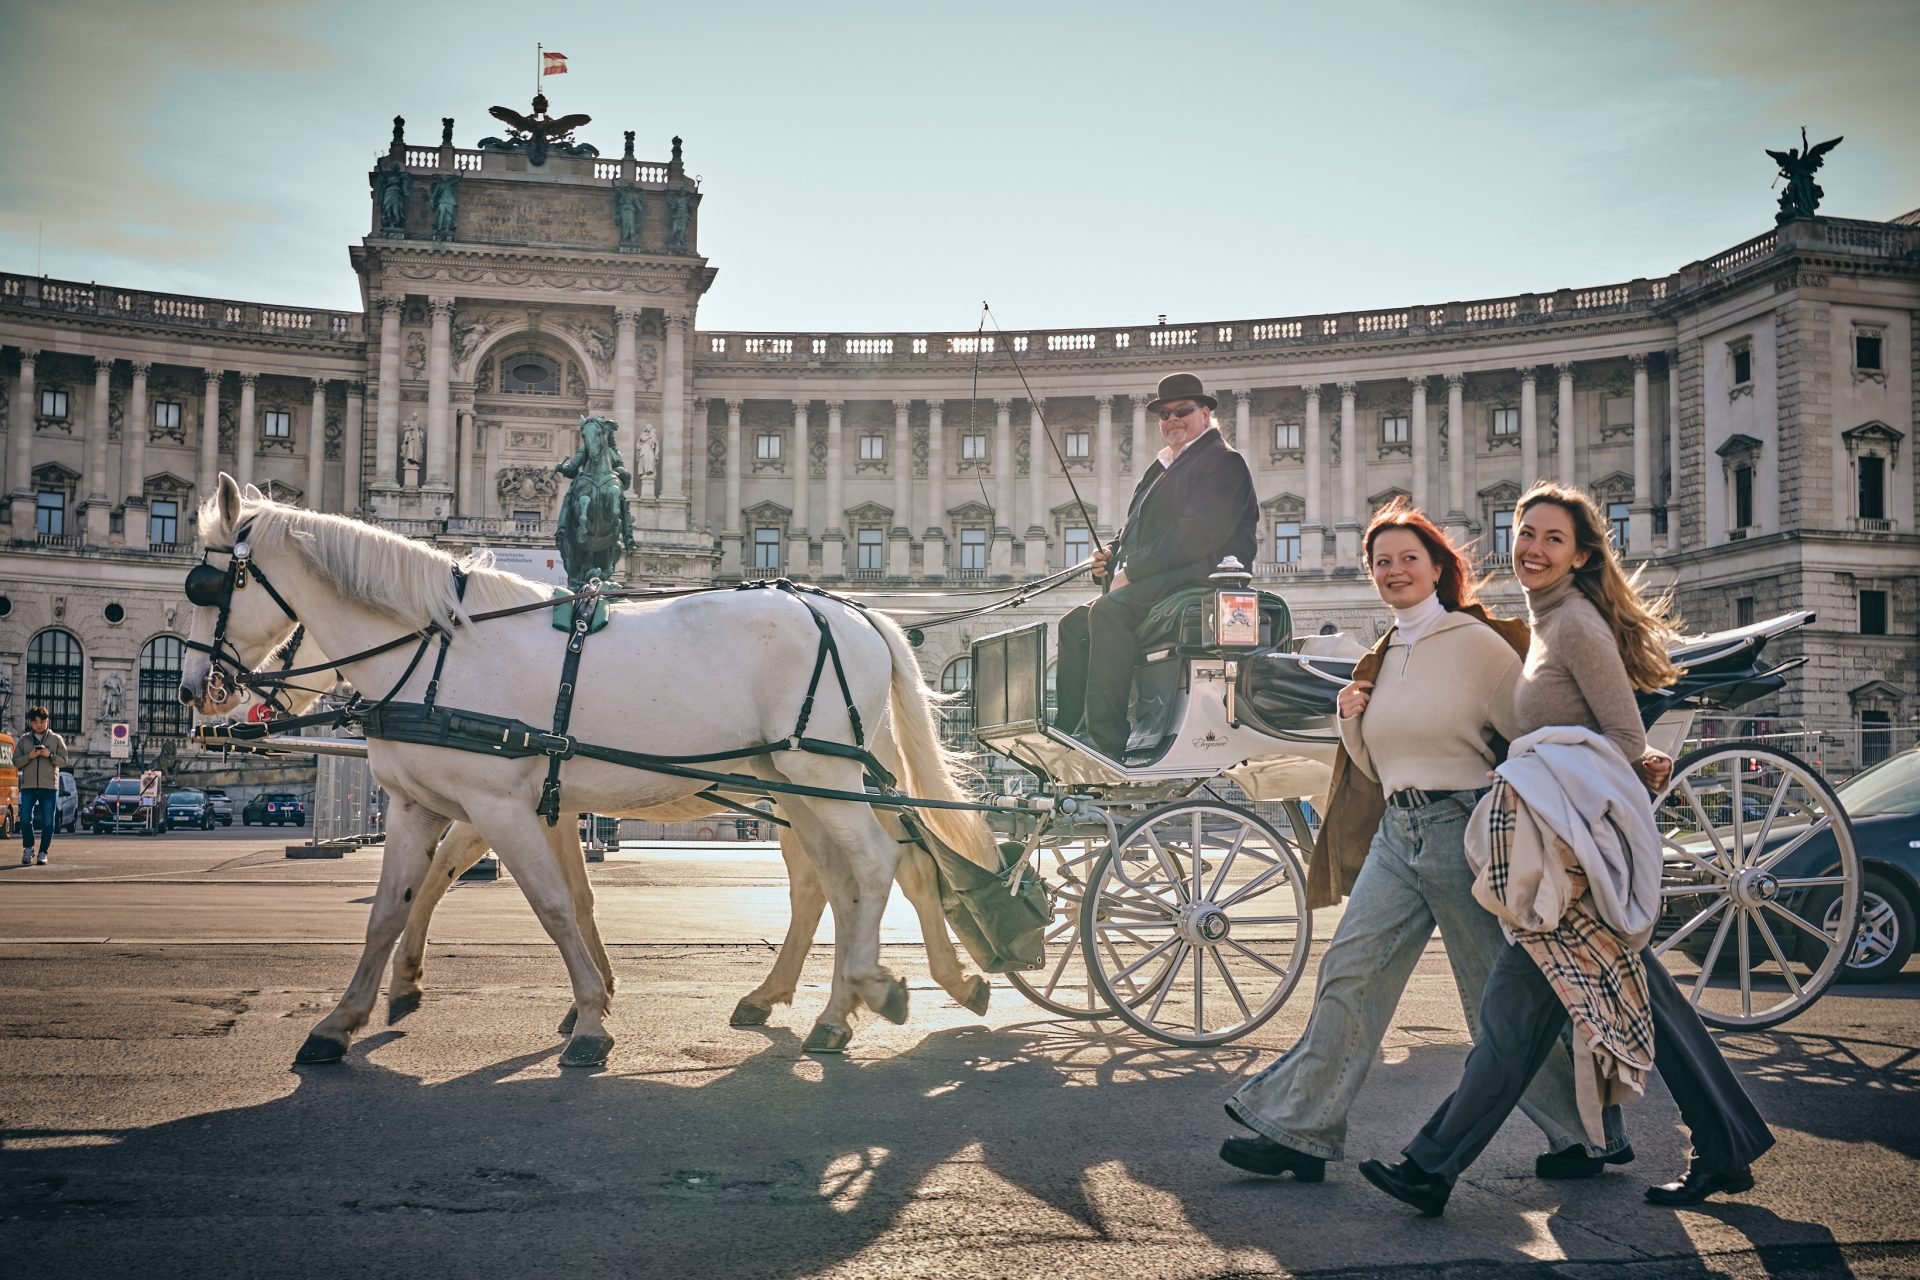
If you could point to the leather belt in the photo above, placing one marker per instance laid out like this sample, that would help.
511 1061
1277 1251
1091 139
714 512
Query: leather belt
1414 798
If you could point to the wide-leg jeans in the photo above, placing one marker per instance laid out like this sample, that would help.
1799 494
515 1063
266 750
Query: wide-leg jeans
1415 876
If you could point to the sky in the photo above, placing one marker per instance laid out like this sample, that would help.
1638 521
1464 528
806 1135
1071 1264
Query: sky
888 166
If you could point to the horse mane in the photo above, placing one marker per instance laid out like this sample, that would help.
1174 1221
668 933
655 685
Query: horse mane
408 580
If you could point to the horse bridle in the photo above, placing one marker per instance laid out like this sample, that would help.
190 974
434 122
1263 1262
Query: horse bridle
210 587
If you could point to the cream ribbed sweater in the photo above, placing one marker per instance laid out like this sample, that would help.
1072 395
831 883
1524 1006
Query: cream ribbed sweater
1574 674
1435 709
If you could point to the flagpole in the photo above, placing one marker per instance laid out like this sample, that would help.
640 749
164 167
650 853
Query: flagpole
538 49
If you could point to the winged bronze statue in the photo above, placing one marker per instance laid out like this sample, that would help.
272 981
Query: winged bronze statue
1797 166
535 133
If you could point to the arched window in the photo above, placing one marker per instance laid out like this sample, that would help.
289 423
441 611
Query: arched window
161 715
530 374
56 673
956 721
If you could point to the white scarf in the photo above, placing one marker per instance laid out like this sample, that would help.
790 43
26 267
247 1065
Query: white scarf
1417 620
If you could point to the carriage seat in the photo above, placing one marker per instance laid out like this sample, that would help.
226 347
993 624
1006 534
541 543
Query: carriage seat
1179 622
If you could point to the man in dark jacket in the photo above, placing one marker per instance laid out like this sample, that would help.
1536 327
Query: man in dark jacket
1194 505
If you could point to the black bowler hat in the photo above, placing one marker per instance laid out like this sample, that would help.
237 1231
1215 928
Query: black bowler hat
1181 386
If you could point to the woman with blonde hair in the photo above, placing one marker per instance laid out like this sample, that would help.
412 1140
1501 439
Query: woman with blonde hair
1596 640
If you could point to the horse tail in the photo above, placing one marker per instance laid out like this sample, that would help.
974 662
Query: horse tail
927 768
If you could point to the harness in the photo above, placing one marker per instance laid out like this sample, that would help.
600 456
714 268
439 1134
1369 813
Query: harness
427 723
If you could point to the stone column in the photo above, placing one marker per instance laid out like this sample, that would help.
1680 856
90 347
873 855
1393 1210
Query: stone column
133 461
1418 428
1566 458
1640 514
1459 445
673 411
317 447
209 477
26 407
439 372
900 467
1243 421
1001 557
626 321
1347 533
386 414
352 441
799 552
731 527
1313 534
1529 429
464 492
1107 469
697 465
97 508
1038 452
246 432
1143 452
1673 451
933 549
833 541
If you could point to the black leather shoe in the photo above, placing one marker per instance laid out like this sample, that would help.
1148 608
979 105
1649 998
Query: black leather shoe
1574 1163
1699 1183
1408 1183
1265 1156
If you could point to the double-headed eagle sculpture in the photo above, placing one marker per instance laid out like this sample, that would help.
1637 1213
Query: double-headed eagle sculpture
535 133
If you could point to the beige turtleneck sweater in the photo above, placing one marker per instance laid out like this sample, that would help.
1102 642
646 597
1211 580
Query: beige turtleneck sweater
1435 708
1574 674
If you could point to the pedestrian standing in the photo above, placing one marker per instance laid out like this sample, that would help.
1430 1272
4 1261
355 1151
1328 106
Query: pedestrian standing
1595 641
40 755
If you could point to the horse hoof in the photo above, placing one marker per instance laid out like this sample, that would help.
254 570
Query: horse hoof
566 1023
827 1038
319 1048
747 1014
586 1050
400 1006
894 1006
979 993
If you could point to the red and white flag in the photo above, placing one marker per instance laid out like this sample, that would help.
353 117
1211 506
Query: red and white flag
553 64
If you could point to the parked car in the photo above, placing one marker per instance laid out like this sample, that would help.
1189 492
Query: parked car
124 807
274 809
67 804
1884 803
222 806
190 809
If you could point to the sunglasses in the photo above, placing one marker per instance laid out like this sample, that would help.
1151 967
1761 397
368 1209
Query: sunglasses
1178 413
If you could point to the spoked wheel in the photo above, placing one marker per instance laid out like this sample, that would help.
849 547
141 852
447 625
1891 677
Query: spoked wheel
1196 928
1061 987
1761 884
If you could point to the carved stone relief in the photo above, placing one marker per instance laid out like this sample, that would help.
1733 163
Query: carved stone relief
335 434
526 487
716 450
529 441
1126 449
416 357
226 428
576 385
597 340
920 448
1023 453
116 415
817 449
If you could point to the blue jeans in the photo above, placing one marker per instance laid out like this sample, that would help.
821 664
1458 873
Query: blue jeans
41 805
1415 877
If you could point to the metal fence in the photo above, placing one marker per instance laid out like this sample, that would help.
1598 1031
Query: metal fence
347 804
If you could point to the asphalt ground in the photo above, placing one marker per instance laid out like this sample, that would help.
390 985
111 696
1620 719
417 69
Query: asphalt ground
150 1123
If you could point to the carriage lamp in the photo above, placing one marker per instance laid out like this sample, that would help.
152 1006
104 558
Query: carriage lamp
1234 622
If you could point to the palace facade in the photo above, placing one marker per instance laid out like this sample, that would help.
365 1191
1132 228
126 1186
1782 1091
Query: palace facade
1747 420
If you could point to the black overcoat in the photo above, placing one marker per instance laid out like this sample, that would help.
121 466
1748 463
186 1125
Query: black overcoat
1183 519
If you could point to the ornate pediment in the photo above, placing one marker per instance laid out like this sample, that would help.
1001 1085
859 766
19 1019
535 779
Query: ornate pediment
1382 498
870 513
1505 493
52 475
1740 450
768 512
1071 511
165 484
970 511
1616 486
1284 506
1877 695
1874 435
281 491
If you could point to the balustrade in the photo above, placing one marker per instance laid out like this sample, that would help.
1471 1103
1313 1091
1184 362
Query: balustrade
1384 322
1588 299
1164 337
171 309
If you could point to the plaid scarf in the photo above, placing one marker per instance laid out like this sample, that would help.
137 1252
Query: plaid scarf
1597 976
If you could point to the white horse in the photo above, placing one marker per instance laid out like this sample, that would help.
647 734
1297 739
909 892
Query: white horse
698 674
462 846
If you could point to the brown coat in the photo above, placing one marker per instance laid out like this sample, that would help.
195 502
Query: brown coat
1355 803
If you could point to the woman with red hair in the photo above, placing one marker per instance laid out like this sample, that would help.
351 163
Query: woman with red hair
1424 719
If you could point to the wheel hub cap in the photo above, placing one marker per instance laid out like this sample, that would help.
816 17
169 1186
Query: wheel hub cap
1204 925
1752 888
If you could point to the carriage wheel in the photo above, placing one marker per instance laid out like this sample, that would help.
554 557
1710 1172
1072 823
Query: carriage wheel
1060 986
1760 886
1197 932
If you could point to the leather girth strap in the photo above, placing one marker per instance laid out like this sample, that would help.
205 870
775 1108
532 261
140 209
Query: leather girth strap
584 603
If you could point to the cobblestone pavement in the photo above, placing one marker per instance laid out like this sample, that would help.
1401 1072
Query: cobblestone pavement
150 1123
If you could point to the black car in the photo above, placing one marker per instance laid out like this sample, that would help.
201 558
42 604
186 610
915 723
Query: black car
1884 803
190 809
275 809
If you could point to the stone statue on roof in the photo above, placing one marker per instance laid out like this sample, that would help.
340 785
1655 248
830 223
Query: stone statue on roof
1797 166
